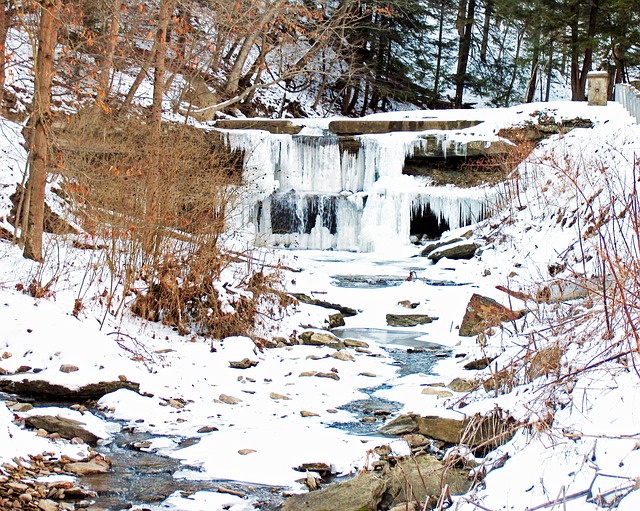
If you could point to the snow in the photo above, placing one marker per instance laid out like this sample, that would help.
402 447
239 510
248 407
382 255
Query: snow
587 445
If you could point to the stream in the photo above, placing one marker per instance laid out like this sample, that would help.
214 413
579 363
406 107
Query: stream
141 477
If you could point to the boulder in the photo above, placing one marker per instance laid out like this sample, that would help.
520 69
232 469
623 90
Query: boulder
245 363
412 480
362 493
430 247
463 249
401 425
336 320
415 479
314 338
97 465
66 428
462 385
479 364
483 432
483 312
406 320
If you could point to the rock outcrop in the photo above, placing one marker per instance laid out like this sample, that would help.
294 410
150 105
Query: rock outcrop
483 313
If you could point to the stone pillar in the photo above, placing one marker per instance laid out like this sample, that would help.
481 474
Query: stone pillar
597 87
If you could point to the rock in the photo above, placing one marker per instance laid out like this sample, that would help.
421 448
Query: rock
177 403
353 343
321 468
430 247
229 400
332 376
480 364
313 338
464 249
207 429
343 355
415 440
97 465
346 311
368 374
245 363
47 505
406 320
336 320
401 425
461 385
278 397
68 368
430 391
482 313
43 389
407 304
244 452
413 479
23 369
305 413
362 493
21 407
442 428
66 428
483 432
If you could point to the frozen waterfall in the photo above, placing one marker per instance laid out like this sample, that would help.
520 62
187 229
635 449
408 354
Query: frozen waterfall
323 191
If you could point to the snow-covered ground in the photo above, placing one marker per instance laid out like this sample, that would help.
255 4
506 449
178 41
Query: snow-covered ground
580 429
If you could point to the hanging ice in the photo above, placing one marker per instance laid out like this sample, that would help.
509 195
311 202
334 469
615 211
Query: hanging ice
322 191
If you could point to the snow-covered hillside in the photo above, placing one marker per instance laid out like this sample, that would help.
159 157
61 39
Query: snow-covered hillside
565 372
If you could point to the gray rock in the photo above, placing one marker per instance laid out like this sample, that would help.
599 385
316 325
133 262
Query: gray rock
353 343
343 355
362 493
229 400
411 480
407 320
66 428
245 363
462 385
313 338
95 466
68 368
464 249
430 247
336 320
401 425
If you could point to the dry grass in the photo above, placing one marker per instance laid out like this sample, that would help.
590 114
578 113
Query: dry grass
158 207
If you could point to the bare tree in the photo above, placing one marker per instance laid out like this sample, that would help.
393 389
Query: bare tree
33 213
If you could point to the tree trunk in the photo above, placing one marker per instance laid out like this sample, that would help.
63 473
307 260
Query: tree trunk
164 16
488 11
233 80
6 15
142 74
465 27
436 79
549 72
43 77
107 62
588 52
535 64
507 98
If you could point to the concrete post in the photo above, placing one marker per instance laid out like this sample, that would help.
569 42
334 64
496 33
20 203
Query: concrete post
597 87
